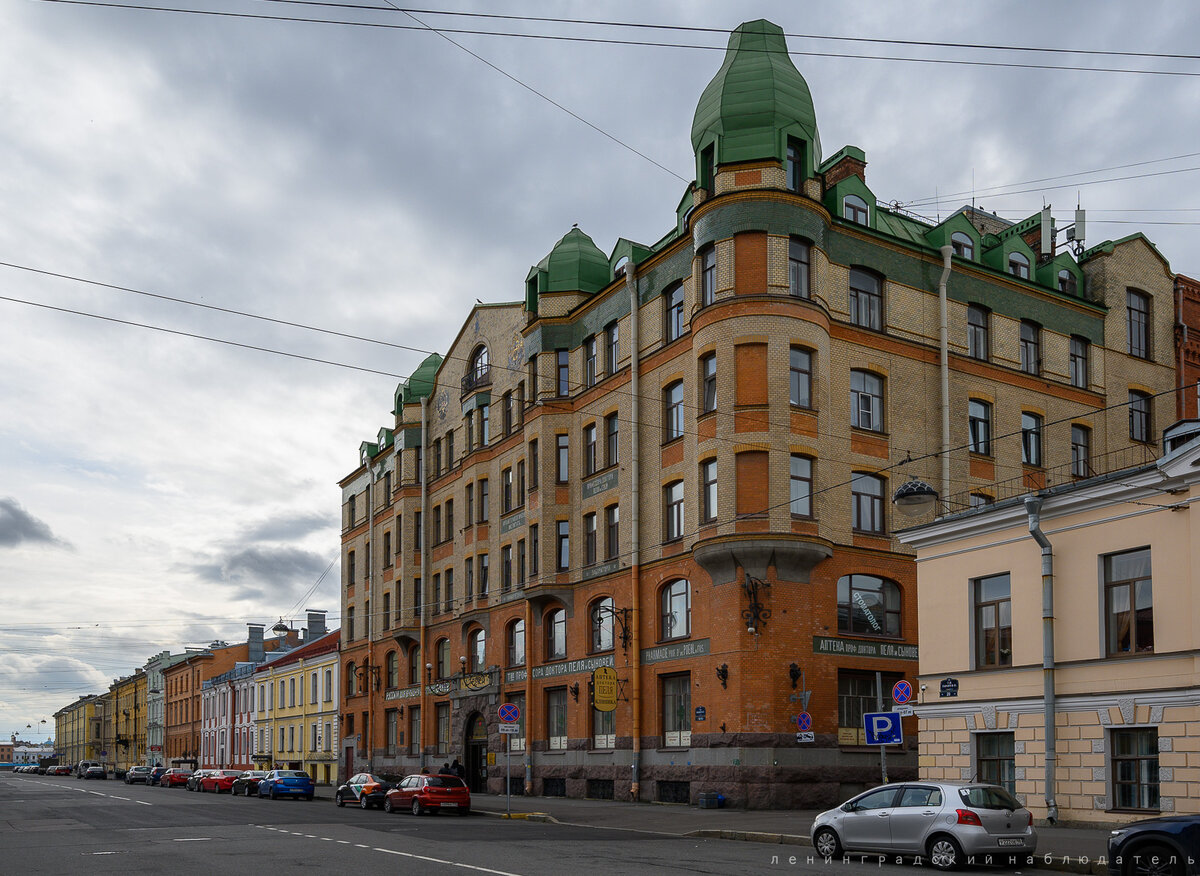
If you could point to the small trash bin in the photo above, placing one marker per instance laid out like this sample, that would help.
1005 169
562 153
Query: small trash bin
708 800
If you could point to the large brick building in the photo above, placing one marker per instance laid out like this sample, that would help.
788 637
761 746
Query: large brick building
688 472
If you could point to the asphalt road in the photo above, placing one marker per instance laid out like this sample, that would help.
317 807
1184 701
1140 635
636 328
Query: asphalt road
63 825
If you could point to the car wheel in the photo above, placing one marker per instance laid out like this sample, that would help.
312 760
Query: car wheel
272 793
1153 860
827 844
387 805
416 807
363 804
338 800
945 853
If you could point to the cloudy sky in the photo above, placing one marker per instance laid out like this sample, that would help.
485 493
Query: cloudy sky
370 177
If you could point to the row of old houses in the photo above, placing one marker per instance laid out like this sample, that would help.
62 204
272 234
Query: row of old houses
265 702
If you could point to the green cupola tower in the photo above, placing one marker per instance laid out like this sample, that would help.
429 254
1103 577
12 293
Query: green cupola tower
756 107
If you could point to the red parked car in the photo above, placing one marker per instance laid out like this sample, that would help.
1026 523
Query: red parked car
175 777
420 794
219 780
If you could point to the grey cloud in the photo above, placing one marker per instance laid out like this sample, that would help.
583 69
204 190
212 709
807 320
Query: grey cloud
18 526
263 572
289 528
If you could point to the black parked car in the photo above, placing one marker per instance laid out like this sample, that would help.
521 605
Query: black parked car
95 772
247 783
1156 847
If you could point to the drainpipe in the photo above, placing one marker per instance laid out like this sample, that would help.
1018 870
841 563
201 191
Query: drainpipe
944 349
1180 345
367 615
635 541
425 722
1033 506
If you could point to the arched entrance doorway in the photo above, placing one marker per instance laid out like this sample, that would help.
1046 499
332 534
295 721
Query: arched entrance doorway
475 753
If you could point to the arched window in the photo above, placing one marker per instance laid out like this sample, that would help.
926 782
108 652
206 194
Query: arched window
476 648
556 634
393 669
866 400
962 244
351 679
1066 282
868 605
414 665
601 615
1018 265
866 299
479 363
516 643
676 610
855 209
442 650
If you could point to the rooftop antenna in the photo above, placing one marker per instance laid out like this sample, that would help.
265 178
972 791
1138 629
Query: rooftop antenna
937 198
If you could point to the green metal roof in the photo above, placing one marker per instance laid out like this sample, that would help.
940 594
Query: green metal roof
756 96
575 264
420 382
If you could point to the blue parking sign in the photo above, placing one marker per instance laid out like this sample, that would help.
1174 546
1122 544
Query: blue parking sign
883 728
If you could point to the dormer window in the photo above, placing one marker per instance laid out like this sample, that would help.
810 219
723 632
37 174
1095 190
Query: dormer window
963 245
1018 265
795 164
855 209
1066 282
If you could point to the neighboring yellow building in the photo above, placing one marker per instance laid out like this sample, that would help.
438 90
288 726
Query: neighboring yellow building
128 720
73 731
1078 602
297 710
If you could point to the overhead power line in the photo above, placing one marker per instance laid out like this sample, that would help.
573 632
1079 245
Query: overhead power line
620 42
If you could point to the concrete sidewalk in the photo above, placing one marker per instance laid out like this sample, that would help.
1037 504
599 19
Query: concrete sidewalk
1069 846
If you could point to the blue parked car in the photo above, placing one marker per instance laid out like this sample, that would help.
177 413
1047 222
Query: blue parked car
287 783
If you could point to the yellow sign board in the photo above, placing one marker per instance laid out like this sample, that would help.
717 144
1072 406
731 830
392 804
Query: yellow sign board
604 689
491 758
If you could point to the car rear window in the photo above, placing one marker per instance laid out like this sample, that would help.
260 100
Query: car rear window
988 797
445 782
293 774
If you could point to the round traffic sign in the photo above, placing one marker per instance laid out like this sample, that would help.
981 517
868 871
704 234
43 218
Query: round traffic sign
901 692
509 713
804 721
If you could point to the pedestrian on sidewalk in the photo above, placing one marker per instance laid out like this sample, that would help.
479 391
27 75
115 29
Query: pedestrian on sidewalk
457 768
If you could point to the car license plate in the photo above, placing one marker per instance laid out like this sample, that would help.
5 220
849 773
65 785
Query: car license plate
1011 841
450 804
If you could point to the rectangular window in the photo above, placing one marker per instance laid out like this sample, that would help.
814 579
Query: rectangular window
485 428
562 551
1031 439
611 439
1031 347
533 465
521 562
993 621
866 300
443 728
1081 451
469 579
589 361
556 719
866 401
589 539
708 276
450 449
387 611
1079 362
673 299
387 550
794 169
484 501
612 343
449 590
589 449
508 413
1139 416
604 732
798 268
414 730
800 377
469 498
801 486
416 530
673 411
1137 308
506 568
534 550
1135 769
857 697
866 494
979 422
437 525
708 383
612 524
449 519
978 342
562 458
506 491
673 511
483 575
677 710
708 491
1129 603
995 760
563 383
393 732
469 430
437 457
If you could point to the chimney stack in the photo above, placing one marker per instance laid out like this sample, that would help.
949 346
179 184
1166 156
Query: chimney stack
316 625
254 639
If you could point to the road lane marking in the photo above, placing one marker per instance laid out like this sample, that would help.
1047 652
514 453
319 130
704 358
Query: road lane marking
115 797
143 802
193 839
344 842
447 863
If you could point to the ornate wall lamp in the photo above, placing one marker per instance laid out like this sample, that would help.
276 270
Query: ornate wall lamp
620 616
755 614
368 672
574 689
723 674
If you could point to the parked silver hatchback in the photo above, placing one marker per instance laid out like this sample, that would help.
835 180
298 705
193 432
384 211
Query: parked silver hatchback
944 822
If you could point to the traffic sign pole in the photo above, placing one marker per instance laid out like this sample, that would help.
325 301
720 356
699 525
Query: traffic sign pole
879 705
